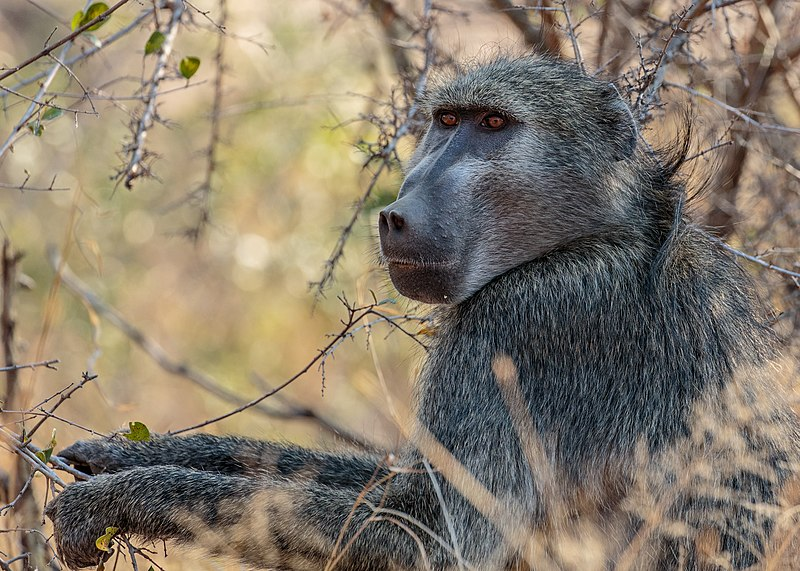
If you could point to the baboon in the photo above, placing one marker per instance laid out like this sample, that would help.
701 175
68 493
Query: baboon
599 391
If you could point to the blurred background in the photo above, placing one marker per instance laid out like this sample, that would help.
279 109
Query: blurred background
198 276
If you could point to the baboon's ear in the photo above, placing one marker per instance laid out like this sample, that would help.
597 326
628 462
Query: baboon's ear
623 126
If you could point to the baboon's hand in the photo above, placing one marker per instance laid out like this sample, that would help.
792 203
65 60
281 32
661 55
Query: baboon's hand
78 521
102 455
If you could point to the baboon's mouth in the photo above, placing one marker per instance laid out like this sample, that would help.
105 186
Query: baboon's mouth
419 264
426 281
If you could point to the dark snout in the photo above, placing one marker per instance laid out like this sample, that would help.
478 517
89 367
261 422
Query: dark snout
418 247
395 231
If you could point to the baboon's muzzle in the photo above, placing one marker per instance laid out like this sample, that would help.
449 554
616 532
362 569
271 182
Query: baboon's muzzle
418 266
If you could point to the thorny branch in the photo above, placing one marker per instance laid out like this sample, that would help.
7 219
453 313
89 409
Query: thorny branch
96 47
47 77
386 154
159 355
136 166
203 193
63 396
654 78
35 105
24 186
65 40
354 315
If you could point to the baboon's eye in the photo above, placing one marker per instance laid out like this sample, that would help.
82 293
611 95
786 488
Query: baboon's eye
494 122
448 119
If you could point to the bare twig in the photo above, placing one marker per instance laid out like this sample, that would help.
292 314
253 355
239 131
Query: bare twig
10 505
51 415
711 149
23 188
49 364
5 565
733 110
294 410
573 36
28 454
85 378
755 259
540 38
49 103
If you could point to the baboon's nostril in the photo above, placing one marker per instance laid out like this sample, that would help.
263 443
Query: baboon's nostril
396 220
391 220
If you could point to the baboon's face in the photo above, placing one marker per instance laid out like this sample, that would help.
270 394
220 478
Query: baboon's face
426 233
515 163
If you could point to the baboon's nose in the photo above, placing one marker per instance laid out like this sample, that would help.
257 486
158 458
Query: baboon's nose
392 220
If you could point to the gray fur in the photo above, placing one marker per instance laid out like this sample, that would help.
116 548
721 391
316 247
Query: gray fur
599 368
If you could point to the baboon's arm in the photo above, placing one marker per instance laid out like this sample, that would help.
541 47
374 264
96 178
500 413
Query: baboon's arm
266 522
223 454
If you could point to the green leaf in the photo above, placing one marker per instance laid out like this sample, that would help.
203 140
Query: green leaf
93 12
138 432
36 128
51 113
45 454
104 541
189 66
76 20
153 43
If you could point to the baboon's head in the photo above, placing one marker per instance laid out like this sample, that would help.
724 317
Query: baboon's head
520 157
